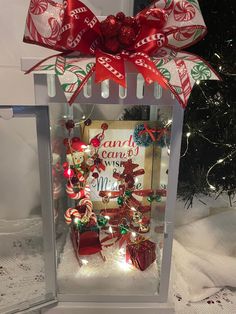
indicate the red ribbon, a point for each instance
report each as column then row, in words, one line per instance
column 80, row 31
column 151, row 132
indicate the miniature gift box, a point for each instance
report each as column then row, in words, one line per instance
column 142, row 253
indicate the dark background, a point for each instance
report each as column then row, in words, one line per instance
column 211, row 113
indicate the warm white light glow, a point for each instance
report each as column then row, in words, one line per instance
column 110, row 229
column 212, row 188
column 188, row 134
column 84, row 261
column 198, row 82
column 220, row 161
column 169, row 121
column 83, row 117
column 134, row 234
column 107, row 217
column 76, row 220
column 124, row 266
column 168, row 151
column 133, row 209
column 122, row 251
column 109, row 194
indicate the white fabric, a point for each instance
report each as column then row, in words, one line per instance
column 204, row 256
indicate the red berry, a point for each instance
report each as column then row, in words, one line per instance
column 120, row 16
column 88, row 122
column 70, row 124
column 95, row 175
column 95, row 142
column 129, row 21
column 112, row 45
column 110, row 26
column 127, row 35
column 104, row 126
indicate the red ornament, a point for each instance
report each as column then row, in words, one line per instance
column 110, row 26
column 65, row 165
column 104, row 126
column 95, row 142
column 127, row 35
column 112, row 45
column 120, row 16
column 68, row 173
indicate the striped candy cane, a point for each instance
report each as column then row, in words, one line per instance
column 76, row 196
column 71, row 212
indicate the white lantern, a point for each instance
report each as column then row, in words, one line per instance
column 114, row 285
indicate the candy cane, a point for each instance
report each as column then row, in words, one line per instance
column 69, row 213
column 104, row 61
column 76, row 196
column 160, row 38
column 89, row 214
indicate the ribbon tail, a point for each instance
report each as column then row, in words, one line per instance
column 182, row 70
column 43, row 65
column 147, row 68
column 110, row 67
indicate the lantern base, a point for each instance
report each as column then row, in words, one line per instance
column 108, row 308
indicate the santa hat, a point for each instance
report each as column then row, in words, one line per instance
column 74, row 145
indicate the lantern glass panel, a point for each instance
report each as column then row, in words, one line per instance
column 124, row 139
column 26, row 248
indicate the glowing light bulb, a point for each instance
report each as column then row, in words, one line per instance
column 107, row 217
column 168, row 151
column 212, row 188
column 133, row 209
column 220, row 161
column 134, row 234
column 109, row 194
column 122, row 251
column 110, row 229
column 76, row 220
column 124, row 266
column 188, row 134
column 198, row 82
column 84, row 261
column 83, row 118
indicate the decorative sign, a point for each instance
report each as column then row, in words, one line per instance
column 117, row 146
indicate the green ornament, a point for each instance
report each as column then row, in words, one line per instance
column 102, row 221
column 150, row 199
column 128, row 193
column 123, row 230
column 120, row 200
column 158, row 198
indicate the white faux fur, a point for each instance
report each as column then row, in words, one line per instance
column 204, row 256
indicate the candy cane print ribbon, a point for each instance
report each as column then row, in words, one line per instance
column 109, row 67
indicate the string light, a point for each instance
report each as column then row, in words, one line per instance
column 84, row 261
column 76, row 220
column 219, row 161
